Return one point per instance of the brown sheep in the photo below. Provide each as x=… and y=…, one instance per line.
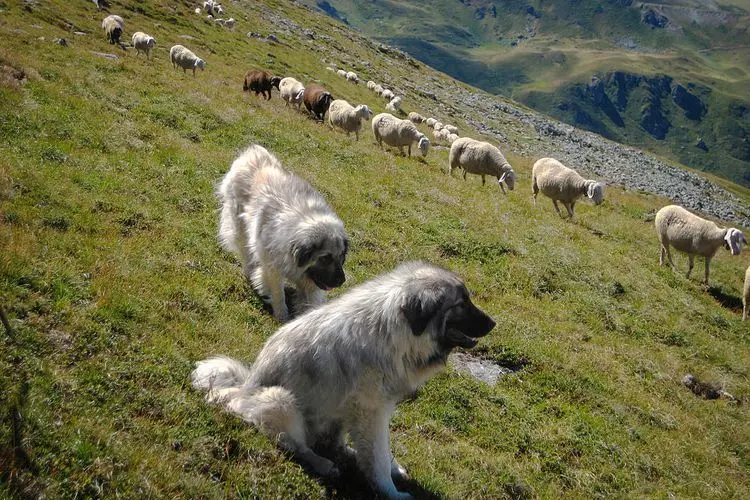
x=317, y=100
x=260, y=82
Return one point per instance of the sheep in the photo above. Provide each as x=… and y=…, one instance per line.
x=219, y=20
x=229, y=23
x=482, y=158
x=143, y=42
x=430, y=122
x=399, y=133
x=693, y=235
x=291, y=91
x=341, y=73
x=198, y=10
x=440, y=135
x=185, y=59
x=451, y=138
x=388, y=95
x=317, y=100
x=746, y=294
x=371, y=85
x=451, y=129
x=260, y=82
x=437, y=125
x=352, y=77
x=378, y=89
x=218, y=9
x=113, y=27
x=394, y=104
x=415, y=117
x=328, y=68
x=560, y=183
x=343, y=115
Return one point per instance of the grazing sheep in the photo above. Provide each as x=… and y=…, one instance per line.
x=399, y=133
x=430, y=122
x=218, y=9
x=437, y=125
x=343, y=115
x=440, y=135
x=451, y=138
x=185, y=59
x=416, y=117
x=560, y=183
x=352, y=77
x=113, y=27
x=219, y=20
x=260, y=82
x=378, y=89
x=451, y=129
x=371, y=85
x=341, y=73
x=693, y=235
x=143, y=43
x=328, y=68
x=481, y=158
x=394, y=104
x=317, y=100
x=291, y=91
x=746, y=294
x=229, y=23
x=388, y=95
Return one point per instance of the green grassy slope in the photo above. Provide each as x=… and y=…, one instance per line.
x=542, y=53
x=114, y=283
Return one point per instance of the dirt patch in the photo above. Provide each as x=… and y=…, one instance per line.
x=12, y=77
x=484, y=370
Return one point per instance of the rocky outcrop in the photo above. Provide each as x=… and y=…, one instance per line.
x=654, y=19
x=692, y=106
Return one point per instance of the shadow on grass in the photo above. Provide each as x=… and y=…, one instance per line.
x=727, y=301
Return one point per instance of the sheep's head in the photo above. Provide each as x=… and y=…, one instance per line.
x=733, y=240
x=325, y=101
x=200, y=63
x=424, y=145
x=275, y=80
x=508, y=177
x=363, y=111
x=151, y=42
x=595, y=191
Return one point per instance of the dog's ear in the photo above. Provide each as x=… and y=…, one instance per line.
x=419, y=307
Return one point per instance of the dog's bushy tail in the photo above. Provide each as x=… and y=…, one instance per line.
x=220, y=377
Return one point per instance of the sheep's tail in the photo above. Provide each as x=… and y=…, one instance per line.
x=221, y=378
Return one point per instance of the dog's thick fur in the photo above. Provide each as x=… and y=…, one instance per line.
x=342, y=368
x=282, y=229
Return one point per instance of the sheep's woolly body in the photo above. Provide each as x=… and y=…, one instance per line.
x=416, y=117
x=430, y=122
x=341, y=73
x=451, y=129
x=378, y=89
x=394, y=104
x=143, y=43
x=481, y=158
x=560, y=183
x=746, y=295
x=388, y=95
x=693, y=235
x=371, y=85
x=291, y=91
x=185, y=59
x=113, y=27
x=343, y=115
x=399, y=133
x=352, y=76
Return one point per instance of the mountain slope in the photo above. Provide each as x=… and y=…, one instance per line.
x=114, y=283
x=545, y=54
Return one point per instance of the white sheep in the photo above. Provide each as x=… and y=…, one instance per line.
x=198, y=10
x=399, y=133
x=560, y=183
x=437, y=125
x=219, y=20
x=481, y=158
x=430, y=122
x=218, y=9
x=378, y=89
x=452, y=138
x=229, y=23
x=291, y=91
x=394, y=104
x=113, y=27
x=693, y=235
x=451, y=128
x=352, y=76
x=341, y=73
x=343, y=115
x=388, y=95
x=415, y=117
x=143, y=43
x=371, y=85
x=746, y=294
x=185, y=59
x=328, y=68
x=440, y=135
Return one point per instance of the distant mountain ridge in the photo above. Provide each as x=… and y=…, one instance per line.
x=666, y=76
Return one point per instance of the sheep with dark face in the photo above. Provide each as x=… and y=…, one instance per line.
x=113, y=27
x=260, y=82
x=317, y=100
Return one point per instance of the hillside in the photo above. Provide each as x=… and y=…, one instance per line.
x=114, y=283
x=665, y=76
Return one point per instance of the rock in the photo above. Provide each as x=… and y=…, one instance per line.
x=692, y=106
x=61, y=41
x=654, y=19
x=700, y=144
x=79, y=33
x=113, y=57
x=272, y=38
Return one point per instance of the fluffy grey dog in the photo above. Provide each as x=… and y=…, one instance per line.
x=342, y=368
x=282, y=229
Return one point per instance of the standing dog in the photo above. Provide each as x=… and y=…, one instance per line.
x=343, y=367
x=282, y=229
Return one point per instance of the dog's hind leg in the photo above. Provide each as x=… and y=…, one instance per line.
x=371, y=435
x=273, y=410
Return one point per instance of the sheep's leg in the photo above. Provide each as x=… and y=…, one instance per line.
x=662, y=253
x=557, y=208
x=409, y=148
x=571, y=208
x=483, y=180
x=356, y=135
x=708, y=263
x=744, y=309
x=464, y=174
x=690, y=265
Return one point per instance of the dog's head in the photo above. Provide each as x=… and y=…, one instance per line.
x=437, y=302
x=321, y=252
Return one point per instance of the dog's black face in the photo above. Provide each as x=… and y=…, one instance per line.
x=325, y=263
x=459, y=323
